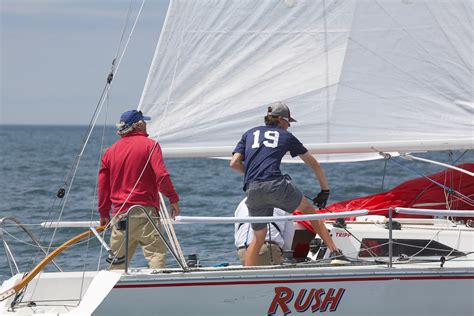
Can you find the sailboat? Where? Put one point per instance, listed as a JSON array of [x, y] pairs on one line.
[[367, 80]]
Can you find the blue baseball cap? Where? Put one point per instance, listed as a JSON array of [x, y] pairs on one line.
[[133, 116]]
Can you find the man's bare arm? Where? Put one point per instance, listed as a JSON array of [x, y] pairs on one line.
[[236, 162], [311, 162]]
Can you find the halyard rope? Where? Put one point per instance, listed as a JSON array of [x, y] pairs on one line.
[[168, 226]]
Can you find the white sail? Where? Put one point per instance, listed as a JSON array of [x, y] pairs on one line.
[[407, 65], [354, 73]]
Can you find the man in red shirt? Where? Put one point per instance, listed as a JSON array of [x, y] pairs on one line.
[[132, 173]]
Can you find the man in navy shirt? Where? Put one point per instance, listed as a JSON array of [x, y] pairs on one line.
[[258, 156]]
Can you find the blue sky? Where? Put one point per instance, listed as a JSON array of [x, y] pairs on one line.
[[55, 57]]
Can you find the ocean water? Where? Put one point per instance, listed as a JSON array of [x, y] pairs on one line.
[[35, 161]]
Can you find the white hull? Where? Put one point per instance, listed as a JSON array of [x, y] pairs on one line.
[[414, 287], [348, 290]]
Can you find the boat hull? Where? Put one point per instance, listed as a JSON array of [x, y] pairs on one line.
[[350, 292], [405, 289]]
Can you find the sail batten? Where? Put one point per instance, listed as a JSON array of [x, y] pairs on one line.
[[352, 72]]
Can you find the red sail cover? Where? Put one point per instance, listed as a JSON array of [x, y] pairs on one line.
[[416, 193]]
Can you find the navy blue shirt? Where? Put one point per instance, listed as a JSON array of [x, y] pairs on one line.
[[263, 148]]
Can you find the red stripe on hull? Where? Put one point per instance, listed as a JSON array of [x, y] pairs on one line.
[[127, 286]]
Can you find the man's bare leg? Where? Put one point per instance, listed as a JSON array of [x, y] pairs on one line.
[[251, 255], [318, 225]]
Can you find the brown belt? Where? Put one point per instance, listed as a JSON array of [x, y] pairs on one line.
[[268, 242]]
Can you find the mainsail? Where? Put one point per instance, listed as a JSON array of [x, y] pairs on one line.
[[359, 76]]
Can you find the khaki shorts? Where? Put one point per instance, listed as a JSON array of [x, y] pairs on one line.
[[269, 254], [141, 232]]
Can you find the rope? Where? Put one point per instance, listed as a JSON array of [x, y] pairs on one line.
[[94, 200], [103, 96], [36, 246], [19, 239], [360, 241], [429, 186], [124, 28], [420, 247], [130, 34], [420, 227], [270, 245], [385, 171], [459, 239], [460, 156], [448, 189], [115, 254], [118, 213], [426, 246], [459, 256], [114, 69], [168, 226], [99, 163]]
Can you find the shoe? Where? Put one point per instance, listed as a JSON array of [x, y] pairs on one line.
[[337, 257]]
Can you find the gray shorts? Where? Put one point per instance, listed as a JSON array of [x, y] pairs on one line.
[[263, 197]]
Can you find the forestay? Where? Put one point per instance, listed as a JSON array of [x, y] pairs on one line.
[[359, 76]]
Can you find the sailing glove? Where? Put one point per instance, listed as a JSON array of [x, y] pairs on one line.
[[321, 199]]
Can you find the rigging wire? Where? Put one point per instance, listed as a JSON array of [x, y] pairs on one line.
[[19, 240], [6, 232], [77, 160], [431, 185], [116, 255], [68, 182], [449, 198], [426, 246], [114, 69], [460, 156], [99, 163], [94, 200], [166, 220], [42, 236], [386, 158], [446, 188], [119, 212]]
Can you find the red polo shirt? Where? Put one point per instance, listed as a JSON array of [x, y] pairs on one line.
[[121, 182]]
